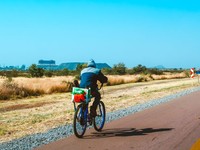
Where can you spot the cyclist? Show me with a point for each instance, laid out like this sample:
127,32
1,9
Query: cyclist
89,77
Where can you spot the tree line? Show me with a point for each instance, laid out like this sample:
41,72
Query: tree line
117,69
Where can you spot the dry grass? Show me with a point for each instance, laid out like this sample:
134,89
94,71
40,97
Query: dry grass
117,79
169,76
25,87
48,85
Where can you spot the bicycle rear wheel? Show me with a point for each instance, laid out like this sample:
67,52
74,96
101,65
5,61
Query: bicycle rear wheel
100,118
79,122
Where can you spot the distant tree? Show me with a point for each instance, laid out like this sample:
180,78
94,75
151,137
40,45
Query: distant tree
139,69
35,71
23,67
48,73
63,72
14,73
155,71
107,71
119,69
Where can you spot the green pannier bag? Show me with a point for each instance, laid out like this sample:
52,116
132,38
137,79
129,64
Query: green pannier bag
80,91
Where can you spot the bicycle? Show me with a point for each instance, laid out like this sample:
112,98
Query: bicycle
82,118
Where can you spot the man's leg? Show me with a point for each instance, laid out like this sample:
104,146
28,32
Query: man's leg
95,103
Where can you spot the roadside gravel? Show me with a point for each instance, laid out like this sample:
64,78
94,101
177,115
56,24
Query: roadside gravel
36,140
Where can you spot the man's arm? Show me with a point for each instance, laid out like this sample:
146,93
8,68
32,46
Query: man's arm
102,78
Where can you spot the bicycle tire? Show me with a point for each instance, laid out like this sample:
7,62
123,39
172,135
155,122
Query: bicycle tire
79,122
100,118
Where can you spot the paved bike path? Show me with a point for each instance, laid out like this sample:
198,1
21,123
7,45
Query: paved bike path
174,125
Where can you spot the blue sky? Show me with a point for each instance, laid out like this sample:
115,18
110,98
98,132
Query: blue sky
147,32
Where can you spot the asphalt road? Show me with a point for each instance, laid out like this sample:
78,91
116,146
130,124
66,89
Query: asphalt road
171,126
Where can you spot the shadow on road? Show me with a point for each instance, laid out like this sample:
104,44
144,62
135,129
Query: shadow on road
125,132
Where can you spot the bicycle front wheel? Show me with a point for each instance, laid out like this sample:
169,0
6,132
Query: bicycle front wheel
100,118
80,122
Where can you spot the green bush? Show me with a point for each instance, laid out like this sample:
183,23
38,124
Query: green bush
119,69
35,71
48,73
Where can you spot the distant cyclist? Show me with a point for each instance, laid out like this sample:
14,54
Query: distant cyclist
89,78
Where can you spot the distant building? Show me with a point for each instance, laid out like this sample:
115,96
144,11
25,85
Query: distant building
47,64
51,65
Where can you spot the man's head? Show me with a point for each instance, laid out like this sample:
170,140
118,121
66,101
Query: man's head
91,63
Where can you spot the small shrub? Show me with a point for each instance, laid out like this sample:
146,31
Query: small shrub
48,73
140,79
37,118
3,131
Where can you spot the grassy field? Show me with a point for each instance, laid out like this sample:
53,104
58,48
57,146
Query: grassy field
16,88
21,117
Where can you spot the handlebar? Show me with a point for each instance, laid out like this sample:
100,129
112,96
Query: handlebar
76,84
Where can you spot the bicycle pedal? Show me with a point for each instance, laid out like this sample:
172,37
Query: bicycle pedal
90,123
